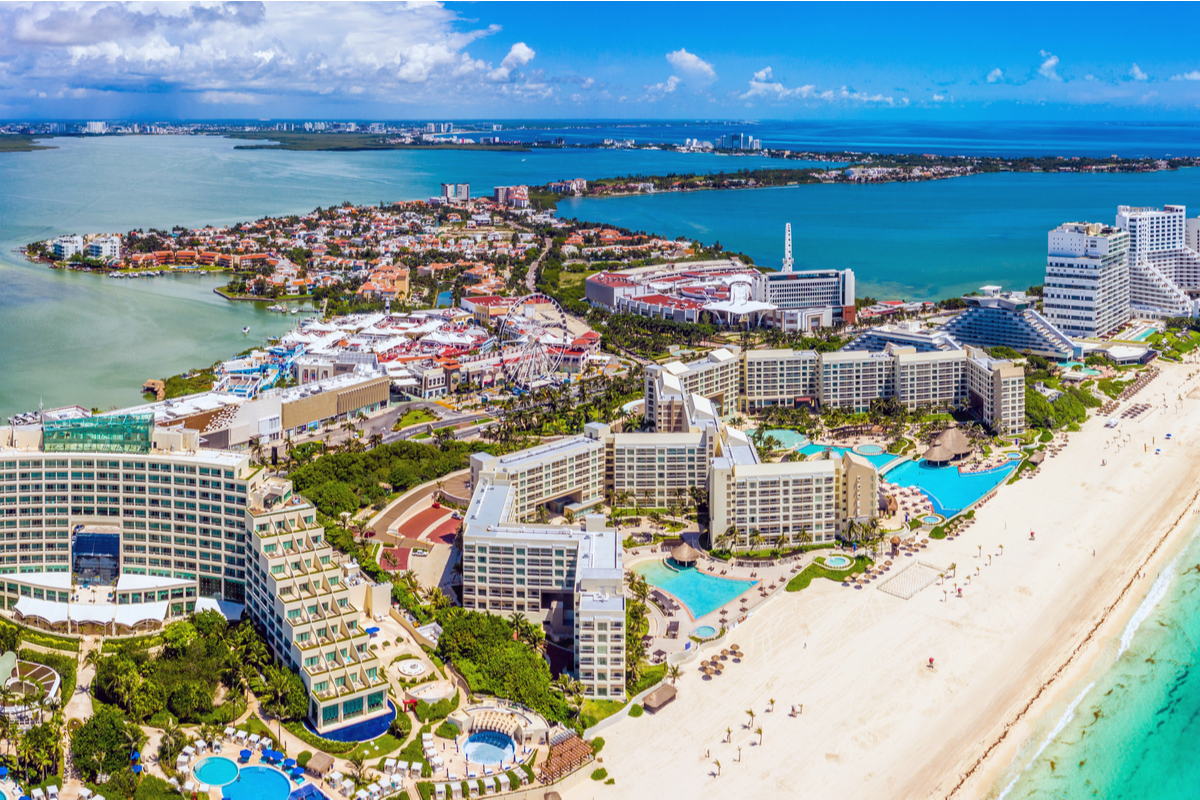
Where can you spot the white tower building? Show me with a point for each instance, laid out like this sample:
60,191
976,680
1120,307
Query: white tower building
787,248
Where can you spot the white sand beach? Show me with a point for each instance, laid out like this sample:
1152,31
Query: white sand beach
877,721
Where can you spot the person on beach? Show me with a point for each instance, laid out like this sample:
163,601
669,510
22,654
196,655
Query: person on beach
931,662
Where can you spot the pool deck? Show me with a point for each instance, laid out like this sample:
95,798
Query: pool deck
771,579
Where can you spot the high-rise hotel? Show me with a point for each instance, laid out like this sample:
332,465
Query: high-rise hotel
177,528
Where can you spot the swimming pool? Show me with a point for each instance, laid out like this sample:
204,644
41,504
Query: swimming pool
838,562
1080,368
489,748
363,731
700,592
869,450
949,490
880,460
787,439
704,632
258,783
1013,456
216,771
1146,334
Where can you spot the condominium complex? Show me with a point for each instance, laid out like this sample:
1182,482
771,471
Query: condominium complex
1087,289
716,377
567,474
567,578
789,502
170,521
658,469
308,605
1009,319
937,374
1163,269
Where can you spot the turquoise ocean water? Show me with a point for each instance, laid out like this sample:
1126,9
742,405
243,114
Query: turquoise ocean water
1129,729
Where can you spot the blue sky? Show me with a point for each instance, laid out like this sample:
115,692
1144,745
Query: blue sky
599,61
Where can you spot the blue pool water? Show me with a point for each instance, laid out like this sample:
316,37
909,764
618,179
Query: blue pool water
1014,456
880,460
258,783
363,731
489,748
869,450
700,592
948,489
838,562
1144,335
445,299
705,632
216,771
1078,367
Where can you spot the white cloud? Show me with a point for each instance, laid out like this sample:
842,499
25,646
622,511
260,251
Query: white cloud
692,65
937,98
763,87
1049,67
231,98
1194,75
518,56
418,51
1137,74
1089,77
657,90
995,76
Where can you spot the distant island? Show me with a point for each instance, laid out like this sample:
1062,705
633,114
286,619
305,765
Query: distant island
23,143
355,142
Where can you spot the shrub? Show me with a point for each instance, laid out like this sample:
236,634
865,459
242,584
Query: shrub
303,759
319,742
432,713
599,774
401,726
635,710
597,745
446,731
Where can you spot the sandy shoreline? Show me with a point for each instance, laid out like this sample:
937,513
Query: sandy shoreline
1033,618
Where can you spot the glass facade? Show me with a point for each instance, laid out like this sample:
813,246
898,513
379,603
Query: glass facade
117,433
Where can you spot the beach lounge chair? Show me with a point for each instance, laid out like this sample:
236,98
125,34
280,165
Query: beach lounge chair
472,772
188,788
439,791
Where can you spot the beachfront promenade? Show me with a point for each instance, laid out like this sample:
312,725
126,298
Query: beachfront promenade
877,720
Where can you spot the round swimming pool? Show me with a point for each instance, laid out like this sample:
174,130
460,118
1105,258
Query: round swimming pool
258,783
838,562
869,450
489,748
931,519
216,771
1014,456
704,632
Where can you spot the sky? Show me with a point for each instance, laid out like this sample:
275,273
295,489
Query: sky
578,60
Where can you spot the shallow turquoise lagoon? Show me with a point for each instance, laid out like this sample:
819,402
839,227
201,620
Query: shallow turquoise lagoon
950,490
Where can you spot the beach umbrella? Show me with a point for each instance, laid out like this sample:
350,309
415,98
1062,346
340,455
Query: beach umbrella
245,754
135,755
137,768
297,772
708,671
3,772
725,652
289,762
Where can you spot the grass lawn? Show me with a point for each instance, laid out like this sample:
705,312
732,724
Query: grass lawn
414,416
385,744
596,710
817,570
651,676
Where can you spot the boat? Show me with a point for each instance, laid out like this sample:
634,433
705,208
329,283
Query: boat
246,329
295,311
276,308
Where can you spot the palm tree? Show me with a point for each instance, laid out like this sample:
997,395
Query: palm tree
673,673
750,713
358,769
756,539
758,730
717,764
728,734
772,701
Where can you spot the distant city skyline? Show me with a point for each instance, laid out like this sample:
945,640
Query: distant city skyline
595,61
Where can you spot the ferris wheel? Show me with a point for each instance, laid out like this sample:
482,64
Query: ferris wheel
532,338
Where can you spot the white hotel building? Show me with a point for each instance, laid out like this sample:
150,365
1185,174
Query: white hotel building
179,528
1087,287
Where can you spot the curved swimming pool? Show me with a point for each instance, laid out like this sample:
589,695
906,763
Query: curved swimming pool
258,783
489,748
839,562
949,490
869,450
363,731
704,632
700,592
216,771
